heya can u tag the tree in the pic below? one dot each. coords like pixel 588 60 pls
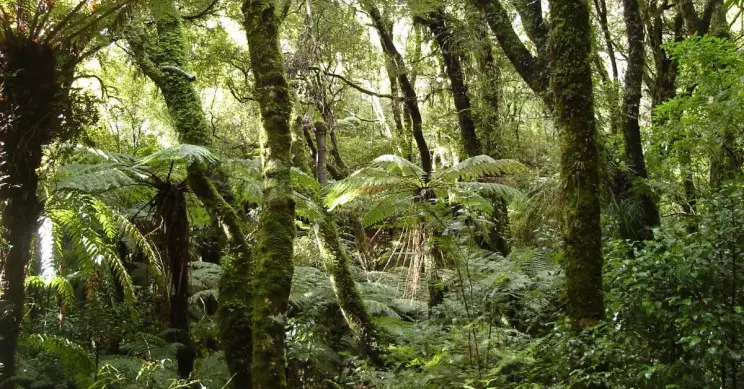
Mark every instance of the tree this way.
pixel 649 213
pixel 273 275
pixel 571 84
pixel 41 43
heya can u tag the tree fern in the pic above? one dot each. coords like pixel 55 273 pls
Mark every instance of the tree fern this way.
pixel 58 284
pixel 75 360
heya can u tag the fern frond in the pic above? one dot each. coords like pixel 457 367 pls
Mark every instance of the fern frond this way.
pixel 303 182
pixel 505 192
pixel 95 178
pixel 182 154
pixel 476 167
pixel 365 183
pixel 60 285
pixel 385 207
pixel 73 357
pixel 396 164
pixel 307 209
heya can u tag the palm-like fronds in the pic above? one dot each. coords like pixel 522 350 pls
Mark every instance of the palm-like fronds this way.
pixel 75 360
pixel 58 284
pixel 392 185
pixel 93 229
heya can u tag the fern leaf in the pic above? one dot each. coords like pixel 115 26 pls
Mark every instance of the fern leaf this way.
pixel 476 167
pixel 182 154
pixel 60 285
pixel 75 359
pixel 397 164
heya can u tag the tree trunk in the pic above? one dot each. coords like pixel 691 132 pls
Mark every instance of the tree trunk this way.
pixel 276 230
pixel 437 23
pixel 172 208
pixel 30 87
pixel 347 293
pixel 571 81
pixel 649 216
pixel 321 139
pixel 184 107
pixel 407 88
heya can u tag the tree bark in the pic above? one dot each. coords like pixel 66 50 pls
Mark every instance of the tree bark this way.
pixel 321 139
pixel 406 87
pixel 276 230
pixel 533 70
pixel 631 127
pixel 172 208
pixel 436 21
pixel 184 107
pixel 30 86
pixel 572 89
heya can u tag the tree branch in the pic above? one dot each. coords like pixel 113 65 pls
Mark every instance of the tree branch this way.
pixel 199 15
pixel 353 85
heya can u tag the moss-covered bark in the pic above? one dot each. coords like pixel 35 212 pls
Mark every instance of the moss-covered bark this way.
pixel 571 82
pixel 533 70
pixel 276 230
pixel 185 109
pixel 347 293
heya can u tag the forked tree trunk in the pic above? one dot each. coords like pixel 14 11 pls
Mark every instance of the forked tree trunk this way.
pixel 571 81
pixel 29 84
pixel 276 231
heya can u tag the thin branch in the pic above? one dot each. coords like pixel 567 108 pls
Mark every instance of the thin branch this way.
pixel 207 10
pixel 353 85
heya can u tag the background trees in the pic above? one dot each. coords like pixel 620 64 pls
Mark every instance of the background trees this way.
pixel 315 194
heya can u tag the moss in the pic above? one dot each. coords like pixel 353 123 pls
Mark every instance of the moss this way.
pixel 347 293
pixel 571 82
pixel 274 270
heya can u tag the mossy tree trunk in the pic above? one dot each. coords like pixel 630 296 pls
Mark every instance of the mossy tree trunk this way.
pixel 347 293
pixel 158 60
pixel 276 230
pixel 321 139
pixel 572 89
pixel 532 69
pixel 640 192
pixel 29 84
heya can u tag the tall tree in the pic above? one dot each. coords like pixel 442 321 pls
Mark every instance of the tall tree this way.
pixel 274 269
pixel 410 100
pixel 165 62
pixel 437 22
pixel 649 213
pixel 571 84
pixel 39 51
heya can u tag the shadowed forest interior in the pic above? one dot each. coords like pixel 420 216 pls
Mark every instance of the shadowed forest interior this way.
pixel 371 194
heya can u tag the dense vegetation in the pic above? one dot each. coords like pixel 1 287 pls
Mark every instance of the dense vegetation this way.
pixel 371 194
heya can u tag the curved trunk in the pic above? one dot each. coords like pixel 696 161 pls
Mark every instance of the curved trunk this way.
pixel 437 24
pixel 409 93
pixel 184 107
pixel 347 293
pixel 276 231
pixel 571 80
